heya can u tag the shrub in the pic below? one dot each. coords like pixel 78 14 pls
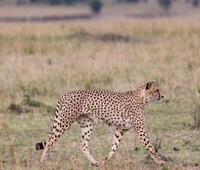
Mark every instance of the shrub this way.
pixel 166 4
pixel 196 120
pixel 196 113
pixel 198 89
pixel 96 6
pixel 16 108
pixel 131 0
pixel 30 102
pixel 55 2
pixel 68 2
pixel 27 101
pixel 195 2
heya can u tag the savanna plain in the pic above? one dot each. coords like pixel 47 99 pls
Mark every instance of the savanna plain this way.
pixel 41 61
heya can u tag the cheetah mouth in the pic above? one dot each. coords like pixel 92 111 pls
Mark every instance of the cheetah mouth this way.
pixel 159 97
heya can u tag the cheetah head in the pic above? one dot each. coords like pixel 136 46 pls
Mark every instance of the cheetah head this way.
pixel 152 92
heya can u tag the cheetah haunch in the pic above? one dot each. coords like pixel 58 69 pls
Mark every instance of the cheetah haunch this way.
pixel 124 110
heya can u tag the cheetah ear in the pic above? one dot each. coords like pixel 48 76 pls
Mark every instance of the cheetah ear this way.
pixel 148 85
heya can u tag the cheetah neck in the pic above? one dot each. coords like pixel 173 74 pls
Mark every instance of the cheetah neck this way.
pixel 142 94
pixel 139 93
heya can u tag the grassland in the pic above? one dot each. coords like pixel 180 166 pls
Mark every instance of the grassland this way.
pixel 39 62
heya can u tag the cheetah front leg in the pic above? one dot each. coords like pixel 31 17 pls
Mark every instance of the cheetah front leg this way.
pixel 144 139
pixel 115 143
pixel 86 125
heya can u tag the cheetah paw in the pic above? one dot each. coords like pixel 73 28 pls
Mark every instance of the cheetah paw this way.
pixel 161 163
pixel 96 163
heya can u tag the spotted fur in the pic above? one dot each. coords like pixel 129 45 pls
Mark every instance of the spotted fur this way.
pixel 124 110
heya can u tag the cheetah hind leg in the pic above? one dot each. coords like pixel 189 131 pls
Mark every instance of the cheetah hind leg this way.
pixel 59 126
pixel 86 125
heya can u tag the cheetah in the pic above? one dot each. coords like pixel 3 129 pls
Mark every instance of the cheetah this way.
pixel 124 110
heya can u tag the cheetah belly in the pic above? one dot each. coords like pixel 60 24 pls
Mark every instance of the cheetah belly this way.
pixel 113 120
pixel 118 122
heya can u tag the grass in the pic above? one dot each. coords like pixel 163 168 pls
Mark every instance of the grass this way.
pixel 39 62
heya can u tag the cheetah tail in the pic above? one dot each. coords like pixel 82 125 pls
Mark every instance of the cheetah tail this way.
pixel 40 145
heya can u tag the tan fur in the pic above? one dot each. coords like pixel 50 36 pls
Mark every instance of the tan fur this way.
pixel 124 110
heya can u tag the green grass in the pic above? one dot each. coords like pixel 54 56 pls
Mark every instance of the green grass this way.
pixel 39 62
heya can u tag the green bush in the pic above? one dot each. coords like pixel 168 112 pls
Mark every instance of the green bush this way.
pixel 198 89
pixel 166 4
pixel 96 6
pixel 28 101
pixel 196 118
pixel 16 108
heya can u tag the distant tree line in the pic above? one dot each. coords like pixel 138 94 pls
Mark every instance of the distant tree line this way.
pixel 96 5
pixel 56 2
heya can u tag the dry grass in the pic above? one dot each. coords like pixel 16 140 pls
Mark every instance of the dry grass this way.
pixel 45 60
